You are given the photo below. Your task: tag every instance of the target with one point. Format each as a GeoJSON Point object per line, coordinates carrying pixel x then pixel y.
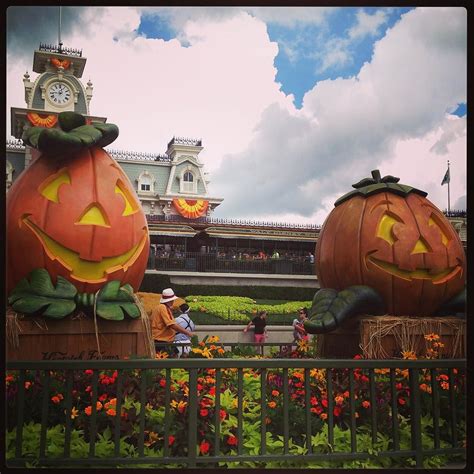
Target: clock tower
{"type": "Point", "coordinates": [56, 89]}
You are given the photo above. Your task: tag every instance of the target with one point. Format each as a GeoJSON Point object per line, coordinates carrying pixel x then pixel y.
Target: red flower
{"type": "Point", "coordinates": [103, 397]}
{"type": "Point", "coordinates": [232, 440]}
{"type": "Point", "coordinates": [357, 356]}
{"type": "Point", "coordinates": [337, 411]}
{"type": "Point", "coordinates": [199, 387]}
{"type": "Point", "coordinates": [314, 401]}
{"type": "Point", "coordinates": [324, 403]}
{"type": "Point", "coordinates": [163, 383]}
{"type": "Point", "coordinates": [399, 386]}
{"type": "Point", "coordinates": [171, 439]}
{"type": "Point", "coordinates": [204, 447]}
{"type": "Point", "coordinates": [88, 372]}
{"type": "Point", "coordinates": [401, 401]}
{"type": "Point", "coordinates": [212, 391]}
{"type": "Point", "coordinates": [204, 412]}
{"type": "Point", "coordinates": [222, 414]}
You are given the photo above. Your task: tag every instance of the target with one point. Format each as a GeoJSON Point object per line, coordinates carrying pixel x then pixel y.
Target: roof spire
{"type": "Point", "coordinates": [59, 31]}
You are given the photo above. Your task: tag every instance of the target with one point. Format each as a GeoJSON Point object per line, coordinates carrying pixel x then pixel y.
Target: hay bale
{"type": "Point", "coordinates": [152, 300]}
{"type": "Point", "coordinates": [385, 337]}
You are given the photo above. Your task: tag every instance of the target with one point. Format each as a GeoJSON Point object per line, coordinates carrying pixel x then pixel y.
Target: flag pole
{"type": "Point", "coordinates": [449, 174]}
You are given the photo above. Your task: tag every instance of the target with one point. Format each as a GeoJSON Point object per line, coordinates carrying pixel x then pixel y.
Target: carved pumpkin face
{"type": "Point", "coordinates": [77, 217]}
{"type": "Point", "coordinates": [402, 246]}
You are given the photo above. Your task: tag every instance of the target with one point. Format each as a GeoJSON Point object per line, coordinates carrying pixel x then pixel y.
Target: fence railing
{"type": "Point", "coordinates": [199, 262]}
{"type": "Point", "coordinates": [253, 412]}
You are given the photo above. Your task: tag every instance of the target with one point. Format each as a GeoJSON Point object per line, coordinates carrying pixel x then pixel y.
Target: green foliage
{"type": "Point", "coordinates": [239, 308]}
{"type": "Point", "coordinates": [154, 283]}
{"type": "Point", "coordinates": [113, 301]}
{"type": "Point", "coordinates": [39, 295]}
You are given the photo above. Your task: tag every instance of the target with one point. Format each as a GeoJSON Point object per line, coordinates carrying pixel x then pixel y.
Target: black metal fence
{"type": "Point", "coordinates": [234, 412]}
{"type": "Point", "coordinates": [200, 262]}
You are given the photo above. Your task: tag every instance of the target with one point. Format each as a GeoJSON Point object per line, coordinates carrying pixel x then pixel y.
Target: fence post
{"type": "Point", "coordinates": [415, 417]}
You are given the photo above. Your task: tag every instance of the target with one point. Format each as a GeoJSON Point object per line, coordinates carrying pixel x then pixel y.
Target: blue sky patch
{"type": "Point", "coordinates": [153, 26]}
{"type": "Point", "coordinates": [461, 110]}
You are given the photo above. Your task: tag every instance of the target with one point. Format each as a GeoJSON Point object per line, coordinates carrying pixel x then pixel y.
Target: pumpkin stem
{"type": "Point", "coordinates": [376, 175]}
{"type": "Point", "coordinates": [85, 299]}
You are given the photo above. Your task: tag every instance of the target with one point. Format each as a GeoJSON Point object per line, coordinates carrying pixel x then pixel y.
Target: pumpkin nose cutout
{"type": "Point", "coordinates": [94, 215]}
{"type": "Point", "coordinates": [421, 246]}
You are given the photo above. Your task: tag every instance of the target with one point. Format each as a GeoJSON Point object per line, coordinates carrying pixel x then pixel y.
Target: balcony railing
{"type": "Point", "coordinates": [200, 412]}
{"type": "Point", "coordinates": [200, 262]}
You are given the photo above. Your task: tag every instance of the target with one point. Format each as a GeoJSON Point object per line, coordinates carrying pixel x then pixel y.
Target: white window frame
{"type": "Point", "coordinates": [146, 179]}
{"type": "Point", "coordinates": [186, 186]}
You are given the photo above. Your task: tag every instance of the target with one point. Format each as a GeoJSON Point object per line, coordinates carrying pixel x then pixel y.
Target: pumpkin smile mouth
{"type": "Point", "coordinates": [81, 269]}
{"type": "Point", "coordinates": [419, 274]}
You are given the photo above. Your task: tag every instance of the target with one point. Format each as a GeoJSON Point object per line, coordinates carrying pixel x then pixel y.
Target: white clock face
{"type": "Point", "coordinates": [59, 93]}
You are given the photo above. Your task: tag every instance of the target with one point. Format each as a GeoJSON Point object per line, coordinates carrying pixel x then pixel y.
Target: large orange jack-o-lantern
{"type": "Point", "coordinates": [74, 213]}
{"type": "Point", "coordinates": [389, 237]}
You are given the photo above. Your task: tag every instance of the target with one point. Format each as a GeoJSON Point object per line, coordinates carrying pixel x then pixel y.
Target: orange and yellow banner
{"type": "Point", "coordinates": [42, 120]}
{"type": "Point", "coordinates": [57, 63]}
{"type": "Point", "coordinates": [191, 208]}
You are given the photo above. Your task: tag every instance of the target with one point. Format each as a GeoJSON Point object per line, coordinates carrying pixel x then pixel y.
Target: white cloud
{"type": "Point", "coordinates": [390, 116]}
{"type": "Point", "coordinates": [266, 157]}
{"type": "Point", "coordinates": [367, 25]}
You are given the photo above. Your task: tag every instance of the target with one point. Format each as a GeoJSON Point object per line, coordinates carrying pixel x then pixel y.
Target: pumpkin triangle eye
{"type": "Point", "coordinates": [130, 204]}
{"type": "Point", "coordinates": [94, 215]}
{"type": "Point", "coordinates": [49, 188]}
{"type": "Point", "coordinates": [433, 220]}
{"type": "Point", "coordinates": [385, 226]}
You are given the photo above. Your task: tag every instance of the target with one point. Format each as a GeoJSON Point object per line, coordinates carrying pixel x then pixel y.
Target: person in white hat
{"type": "Point", "coordinates": [163, 324]}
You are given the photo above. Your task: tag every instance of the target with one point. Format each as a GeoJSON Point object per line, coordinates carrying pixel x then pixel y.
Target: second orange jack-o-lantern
{"type": "Point", "coordinates": [74, 213]}
{"type": "Point", "coordinates": [389, 237]}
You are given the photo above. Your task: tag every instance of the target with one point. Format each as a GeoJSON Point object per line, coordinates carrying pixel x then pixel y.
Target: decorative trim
{"type": "Point", "coordinates": [191, 208]}
{"type": "Point", "coordinates": [42, 120]}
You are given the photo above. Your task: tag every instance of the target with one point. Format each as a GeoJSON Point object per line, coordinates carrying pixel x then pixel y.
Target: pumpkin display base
{"type": "Point", "coordinates": [386, 337]}
{"type": "Point", "coordinates": [75, 338]}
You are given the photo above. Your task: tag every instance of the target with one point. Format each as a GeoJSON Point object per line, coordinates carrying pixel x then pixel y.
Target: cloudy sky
{"type": "Point", "coordinates": [293, 104]}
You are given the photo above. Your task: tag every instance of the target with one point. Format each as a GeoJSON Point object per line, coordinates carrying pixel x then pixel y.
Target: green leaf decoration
{"type": "Point", "coordinates": [113, 302]}
{"type": "Point", "coordinates": [38, 294]}
{"type": "Point", "coordinates": [73, 135]}
{"type": "Point", "coordinates": [69, 120]}
{"type": "Point", "coordinates": [331, 308]}
{"type": "Point", "coordinates": [109, 133]}
{"type": "Point", "coordinates": [376, 184]}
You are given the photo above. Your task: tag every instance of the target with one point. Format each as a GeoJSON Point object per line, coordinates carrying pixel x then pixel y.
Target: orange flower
{"type": "Point", "coordinates": [161, 355]}
{"type": "Point", "coordinates": [323, 416]}
{"type": "Point", "coordinates": [272, 404]}
{"type": "Point", "coordinates": [339, 400]}
{"type": "Point", "coordinates": [366, 404]}
{"type": "Point", "coordinates": [445, 385]}
{"type": "Point", "coordinates": [275, 393]}
{"type": "Point", "coordinates": [409, 355]}
{"type": "Point", "coordinates": [432, 337]}
{"type": "Point", "coordinates": [55, 399]}
{"type": "Point", "coordinates": [27, 385]}
{"type": "Point", "coordinates": [88, 410]}
{"type": "Point", "coordinates": [111, 412]}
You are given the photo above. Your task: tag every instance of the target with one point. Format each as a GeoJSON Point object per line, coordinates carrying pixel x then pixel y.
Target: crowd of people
{"type": "Point", "coordinates": [173, 335]}
{"type": "Point", "coordinates": [235, 254]}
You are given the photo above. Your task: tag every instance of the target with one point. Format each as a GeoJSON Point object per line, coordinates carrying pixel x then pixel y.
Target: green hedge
{"type": "Point", "coordinates": [155, 283]}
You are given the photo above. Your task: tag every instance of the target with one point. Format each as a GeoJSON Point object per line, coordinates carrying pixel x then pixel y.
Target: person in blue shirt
{"type": "Point", "coordinates": [182, 340]}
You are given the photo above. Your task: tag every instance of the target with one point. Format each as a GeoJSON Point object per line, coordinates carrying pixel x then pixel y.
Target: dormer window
{"type": "Point", "coordinates": [145, 183]}
{"type": "Point", "coordinates": [188, 183]}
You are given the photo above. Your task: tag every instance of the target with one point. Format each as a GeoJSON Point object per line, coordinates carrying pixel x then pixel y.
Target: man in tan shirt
{"type": "Point", "coordinates": [163, 324]}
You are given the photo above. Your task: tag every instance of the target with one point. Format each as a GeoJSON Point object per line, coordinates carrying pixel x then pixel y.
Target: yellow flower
{"type": "Point", "coordinates": [432, 337]}
{"type": "Point", "coordinates": [161, 355]}
{"type": "Point", "coordinates": [207, 353]}
{"type": "Point", "coordinates": [74, 413]}
{"type": "Point", "coordinates": [180, 406]}
{"type": "Point", "coordinates": [213, 339]}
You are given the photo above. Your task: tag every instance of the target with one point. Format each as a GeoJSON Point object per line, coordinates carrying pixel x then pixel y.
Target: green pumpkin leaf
{"type": "Point", "coordinates": [31, 135]}
{"type": "Point", "coordinates": [87, 134]}
{"type": "Point", "coordinates": [113, 301]}
{"type": "Point", "coordinates": [70, 120]}
{"type": "Point", "coordinates": [57, 141]}
{"type": "Point", "coordinates": [39, 295]}
{"type": "Point", "coordinates": [109, 133]}
{"type": "Point", "coordinates": [115, 311]}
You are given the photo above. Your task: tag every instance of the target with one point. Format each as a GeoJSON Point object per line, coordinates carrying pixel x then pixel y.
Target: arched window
{"type": "Point", "coordinates": [145, 183]}
{"type": "Point", "coordinates": [188, 184]}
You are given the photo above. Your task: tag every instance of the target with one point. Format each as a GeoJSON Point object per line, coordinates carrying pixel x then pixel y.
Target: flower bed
{"type": "Point", "coordinates": [277, 397]}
